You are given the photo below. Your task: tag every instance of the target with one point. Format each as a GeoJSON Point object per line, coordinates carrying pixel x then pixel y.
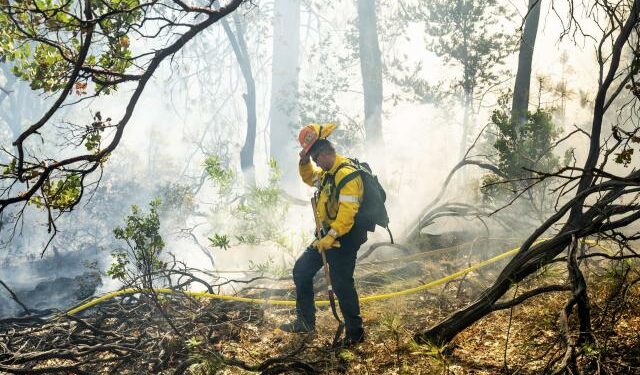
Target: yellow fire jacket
{"type": "Point", "coordinates": [338, 214]}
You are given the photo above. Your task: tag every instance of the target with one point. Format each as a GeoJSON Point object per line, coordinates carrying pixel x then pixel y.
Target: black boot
{"type": "Point", "coordinates": [298, 326]}
{"type": "Point", "coordinates": [351, 338]}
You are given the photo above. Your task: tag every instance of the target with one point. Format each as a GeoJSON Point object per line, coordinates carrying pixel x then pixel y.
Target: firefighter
{"type": "Point", "coordinates": [321, 167]}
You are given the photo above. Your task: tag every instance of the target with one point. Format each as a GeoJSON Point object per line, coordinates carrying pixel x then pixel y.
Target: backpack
{"type": "Point", "coordinates": [372, 211]}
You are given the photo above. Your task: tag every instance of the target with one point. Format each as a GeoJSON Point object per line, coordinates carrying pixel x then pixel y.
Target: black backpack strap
{"type": "Point", "coordinates": [342, 166]}
{"type": "Point", "coordinates": [336, 191]}
{"type": "Point", "coordinates": [352, 163]}
{"type": "Point", "coordinates": [390, 235]}
{"type": "Point", "coordinates": [346, 179]}
{"type": "Point", "coordinates": [331, 178]}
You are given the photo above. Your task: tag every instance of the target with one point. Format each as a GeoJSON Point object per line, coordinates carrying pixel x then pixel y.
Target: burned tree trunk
{"type": "Point", "coordinates": [517, 269]}
{"type": "Point", "coordinates": [239, 45]}
{"type": "Point", "coordinates": [582, 221]}
{"type": "Point", "coordinates": [520, 104]}
{"type": "Point", "coordinates": [580, 296]}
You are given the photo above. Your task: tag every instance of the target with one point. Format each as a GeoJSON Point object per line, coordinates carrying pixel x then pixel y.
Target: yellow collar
{"type": "Point", "coordinates": [339, 160]}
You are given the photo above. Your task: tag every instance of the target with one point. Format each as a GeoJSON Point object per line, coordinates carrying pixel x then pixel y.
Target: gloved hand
{"type": "Point", "coordinates": [304, 157]}
{"type": "Point", "coordinates": [325, 243]}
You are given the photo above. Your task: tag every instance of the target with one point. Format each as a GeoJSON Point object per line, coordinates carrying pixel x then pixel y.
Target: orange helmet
{"type": "Point", "coordinates": [312, 132]}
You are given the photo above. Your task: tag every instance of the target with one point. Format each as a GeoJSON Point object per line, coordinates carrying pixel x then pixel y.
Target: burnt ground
{"type": "Point", "coordinates": [159, 334]}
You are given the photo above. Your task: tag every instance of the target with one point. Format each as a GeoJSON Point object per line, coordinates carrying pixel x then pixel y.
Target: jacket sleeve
{"type": "Point", "coordinates": [349, 199]}
{"type": "Point", "coordinates": [309, 173]}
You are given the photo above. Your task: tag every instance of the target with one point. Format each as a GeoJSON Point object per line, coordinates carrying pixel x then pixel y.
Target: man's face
{"type": "Point", "coordinates": [323, 160]}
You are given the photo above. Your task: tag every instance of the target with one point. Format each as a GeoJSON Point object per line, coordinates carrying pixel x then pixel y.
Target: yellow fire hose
{"type": "Point", "coordinates": [279, 302]}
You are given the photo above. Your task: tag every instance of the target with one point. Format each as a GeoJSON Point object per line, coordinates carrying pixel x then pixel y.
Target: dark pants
{"type": "Point", "coordinates": [342, 262]}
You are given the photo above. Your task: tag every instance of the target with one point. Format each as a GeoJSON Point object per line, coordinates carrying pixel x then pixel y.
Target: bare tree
{"type": "Point", "coordinates": [595, 208]}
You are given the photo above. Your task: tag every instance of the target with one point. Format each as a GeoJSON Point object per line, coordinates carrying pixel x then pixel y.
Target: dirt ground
{"type": "Point", "coordinates": [181, 335]}
{"type": "Point", "coordinates": [534, 343]}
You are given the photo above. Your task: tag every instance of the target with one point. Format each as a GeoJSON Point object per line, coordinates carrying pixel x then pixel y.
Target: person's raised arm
{"type": "Point", "coordinates": [309, 173]}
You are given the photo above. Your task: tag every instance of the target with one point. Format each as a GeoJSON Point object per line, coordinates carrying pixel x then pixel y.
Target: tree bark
{"type": "Point", "coordinates": [284, 89]}
{"type": "Point", "coordinates": [240, 50]}
{"type": "Point", "coordinates": [520, 104]}
{"type": "Point", "coordinates": [580, 296]}
{"type": "Point", "coordinates": [371, 69]}
{"type": "Point", "coordinates": [517, 269]}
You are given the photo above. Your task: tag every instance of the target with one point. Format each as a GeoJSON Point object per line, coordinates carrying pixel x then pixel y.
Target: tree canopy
{"type": "Point", "coordinates": [83, 49]}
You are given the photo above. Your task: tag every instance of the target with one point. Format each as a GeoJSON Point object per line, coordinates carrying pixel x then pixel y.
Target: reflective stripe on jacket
{"type": "Point", "coordinates": [337, 213]}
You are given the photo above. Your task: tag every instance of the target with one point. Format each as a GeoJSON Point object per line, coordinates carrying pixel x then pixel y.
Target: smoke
{"type": "Point", "coordinates": [194, 109]}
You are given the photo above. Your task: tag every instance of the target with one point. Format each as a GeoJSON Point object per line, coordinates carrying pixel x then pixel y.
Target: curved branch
{"type": "Point", "coordinates": [532, 293]}
{"type": "Point", "coordinates": [406, 249]}
{"type": "Point", "coordinates": [82, 56]}
{"type": "Point", "coordinates": [415, 229]}
{"type": "Point", "coordinates": [97, 159]}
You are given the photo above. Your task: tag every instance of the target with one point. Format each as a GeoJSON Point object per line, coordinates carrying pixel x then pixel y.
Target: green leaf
{"type": "Point", "coordinates": [220, 241]}
{"type": "Point", "coordinates": [624, 157]}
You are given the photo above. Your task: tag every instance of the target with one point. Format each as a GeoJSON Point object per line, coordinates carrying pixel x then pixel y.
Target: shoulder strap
{"type": "Point", "coordinates": [331, 178]}
{"type": "Point", "coordinates": [347, 179]}
{"type": "Point", "coordinates": [342, 166]}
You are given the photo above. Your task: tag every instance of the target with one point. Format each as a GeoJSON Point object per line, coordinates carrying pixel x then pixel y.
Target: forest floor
{"type": "Point", "coordinates": [534, 344]}
{"type": "Point", "coordinates": [175, 335]}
